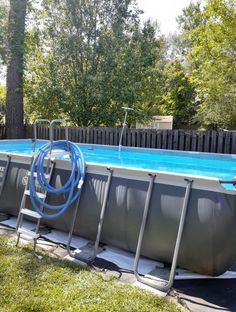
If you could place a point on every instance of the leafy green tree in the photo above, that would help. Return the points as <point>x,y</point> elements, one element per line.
<point>178,94</point>
<point>2,98</point>
<point>89,59</point>
<point>2,103</point>
<point>210,54</point>
<point>4,11</point>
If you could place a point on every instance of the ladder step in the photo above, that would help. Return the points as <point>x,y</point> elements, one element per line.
<point>31,213</point>
<point>35,175</point>
<point>28,233</point>
<point>59,153</point>
<point>40,195</point>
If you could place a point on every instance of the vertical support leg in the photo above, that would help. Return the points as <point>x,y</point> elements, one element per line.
<point>17,240</point>
<point>34,247</point>
<point>35,137</point>
<point>90,254</point>
<point>66,132</point>
<point>69,239</point>
<point>19,218</point>
<point>179,235</point>
<point>163,286</point>
<point>143,225</point>
<point>100,224</point>
<point>18,224</point>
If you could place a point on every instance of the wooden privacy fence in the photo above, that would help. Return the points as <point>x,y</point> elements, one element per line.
<point>186,140</point>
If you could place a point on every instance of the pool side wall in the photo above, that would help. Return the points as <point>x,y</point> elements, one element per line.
<point>207,247</point>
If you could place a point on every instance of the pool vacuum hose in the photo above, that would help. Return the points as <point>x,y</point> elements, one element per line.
<point>72,187</point>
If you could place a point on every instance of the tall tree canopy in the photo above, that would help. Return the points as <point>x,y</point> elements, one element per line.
<point>178,94</point>
<point>211,56</point>
<point>89,59</point>
<point>4,11</point>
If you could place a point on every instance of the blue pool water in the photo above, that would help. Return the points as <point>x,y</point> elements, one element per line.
<point>194,163</point>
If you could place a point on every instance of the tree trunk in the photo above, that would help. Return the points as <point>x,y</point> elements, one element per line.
<point>14,99</point>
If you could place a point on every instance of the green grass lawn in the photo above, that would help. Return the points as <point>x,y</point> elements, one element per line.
<point>28,284</point>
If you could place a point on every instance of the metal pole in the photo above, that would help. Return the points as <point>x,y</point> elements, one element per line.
<point>167,284</point>
<point>143,225</point>
<point>35,136</point>
<point>51,128</point>
<point>35,130</point>
<point>100,224</point>
<point>122,130</point>
<point>72,227</point>
<point>179,235</point>
<point>126,109</point>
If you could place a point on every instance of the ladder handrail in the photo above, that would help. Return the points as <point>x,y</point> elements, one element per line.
<point>41,120</point>
<point>52,122</point>
<point>161,285</point>
<point>37,121</point>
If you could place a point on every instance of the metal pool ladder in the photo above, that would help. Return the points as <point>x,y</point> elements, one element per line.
<point>161,285</point>
<point>24,211</point>
<point>21,230</point>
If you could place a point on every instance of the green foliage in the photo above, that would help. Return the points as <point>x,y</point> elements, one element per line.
<point>2,103</point>
<point>211,54</point>
<point>90,59</point>
<point>4,11</point>
<point>178,94</point>
<point>50,284</point>
<point>86,59</point>
<point>2,97</point>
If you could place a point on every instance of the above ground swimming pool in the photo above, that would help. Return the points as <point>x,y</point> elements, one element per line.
<point>207,246</point>
<point>221,166</point>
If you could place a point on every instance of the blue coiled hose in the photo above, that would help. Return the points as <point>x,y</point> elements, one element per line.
<point>75,180</point>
